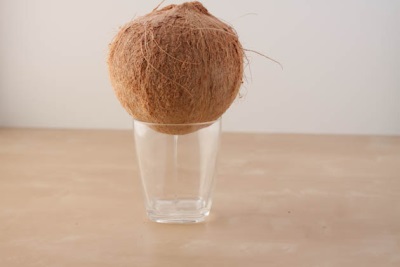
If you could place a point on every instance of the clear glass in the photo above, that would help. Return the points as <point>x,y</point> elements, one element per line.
<point>177,164</point>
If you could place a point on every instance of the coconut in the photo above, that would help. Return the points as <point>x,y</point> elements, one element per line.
<point>176,65</point>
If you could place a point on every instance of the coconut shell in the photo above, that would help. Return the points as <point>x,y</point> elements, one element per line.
<point>176,65</point>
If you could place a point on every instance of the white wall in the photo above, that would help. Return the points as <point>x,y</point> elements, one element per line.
<point>341,64</point>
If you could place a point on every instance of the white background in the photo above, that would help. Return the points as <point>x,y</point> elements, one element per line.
<point>341,64</point>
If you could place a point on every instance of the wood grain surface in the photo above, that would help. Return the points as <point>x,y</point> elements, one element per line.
<point>73,198</point>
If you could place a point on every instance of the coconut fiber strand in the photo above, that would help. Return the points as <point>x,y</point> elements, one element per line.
<point>175,65</point>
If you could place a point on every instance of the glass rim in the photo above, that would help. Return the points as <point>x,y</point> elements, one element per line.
<point>177,124</point>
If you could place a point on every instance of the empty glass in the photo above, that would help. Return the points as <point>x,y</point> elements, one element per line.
<point>177,164</point>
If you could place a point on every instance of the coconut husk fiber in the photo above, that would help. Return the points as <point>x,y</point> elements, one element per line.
<point>176,65</point>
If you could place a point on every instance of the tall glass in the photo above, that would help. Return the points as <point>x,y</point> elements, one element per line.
<point>177,164</point>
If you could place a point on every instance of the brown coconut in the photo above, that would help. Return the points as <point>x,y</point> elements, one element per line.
<point>176,65</point>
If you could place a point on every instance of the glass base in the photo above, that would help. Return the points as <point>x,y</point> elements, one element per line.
<point>178,211</point>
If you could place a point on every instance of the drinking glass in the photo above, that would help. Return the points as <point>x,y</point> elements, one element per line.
<point>177,164</point>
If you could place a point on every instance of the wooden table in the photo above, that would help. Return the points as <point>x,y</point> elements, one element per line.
<point>73,198</point>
